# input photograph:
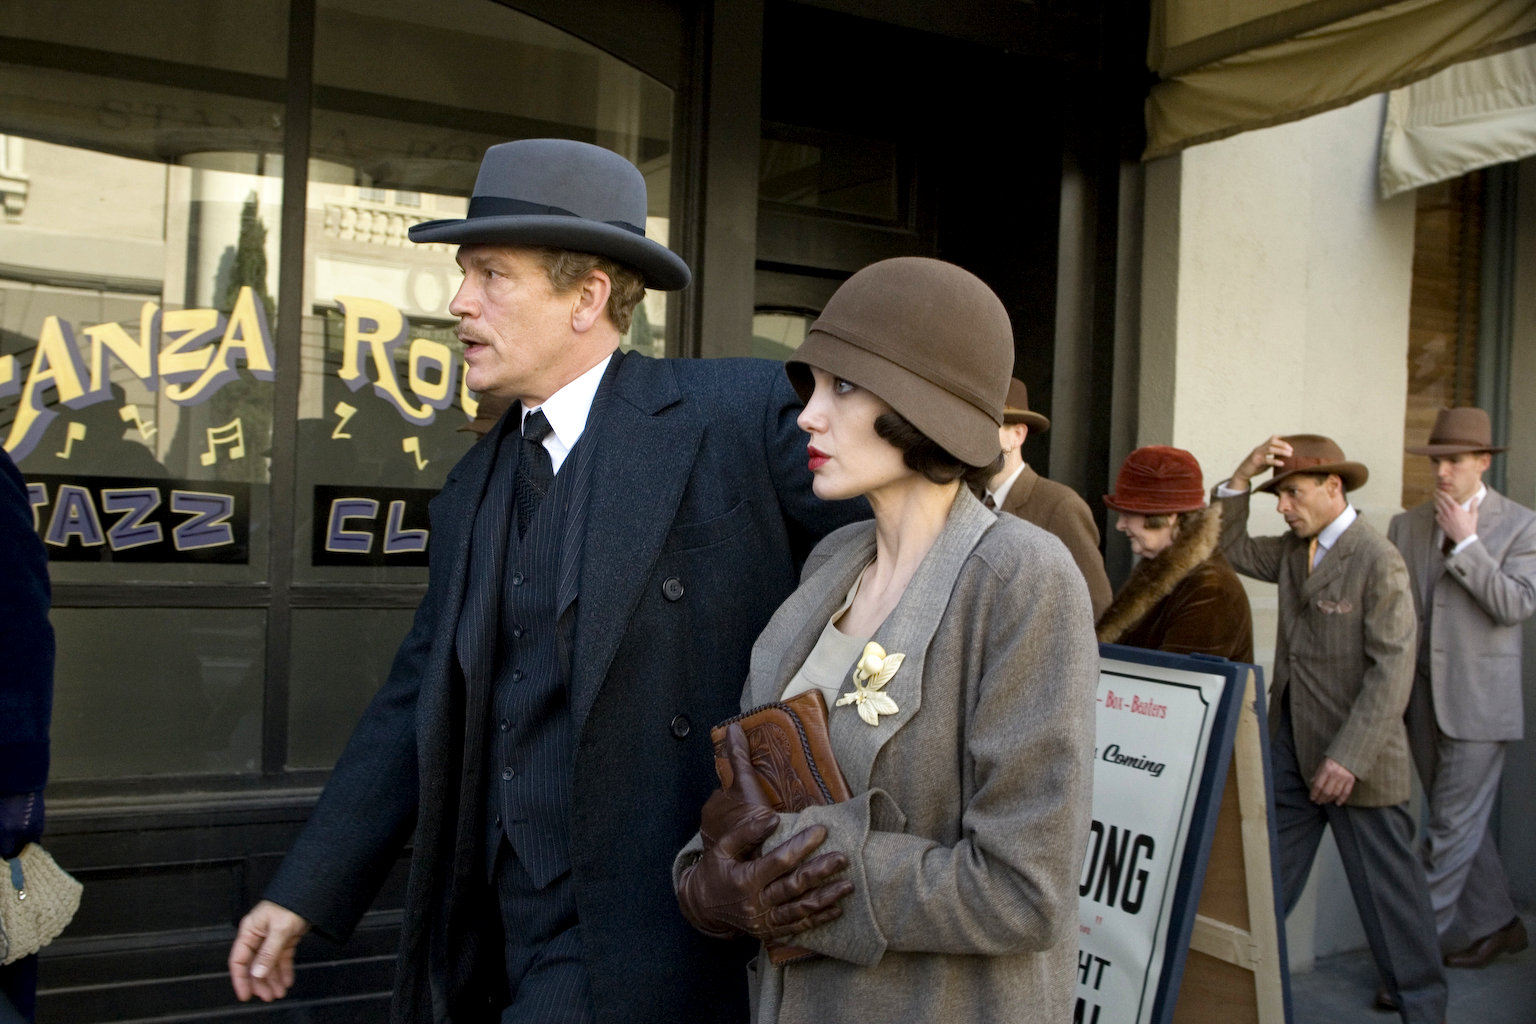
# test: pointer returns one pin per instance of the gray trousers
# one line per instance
(1385, 878)
(1467, 884)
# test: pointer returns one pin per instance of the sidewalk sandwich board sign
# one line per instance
(1180, 751)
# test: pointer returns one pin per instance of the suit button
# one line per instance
(517, 632)
(672, 588)
(517, 579)
(517, 674)
(681, 727)
(505, 725)
(507, 774)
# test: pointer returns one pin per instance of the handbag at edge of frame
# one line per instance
(37, 901)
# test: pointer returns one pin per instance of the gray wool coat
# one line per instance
(967, 831)
(1471, 606)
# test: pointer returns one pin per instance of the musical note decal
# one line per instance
(232, 434)
(412, 446)
(130, 414)
(76, 432)
(346, 412)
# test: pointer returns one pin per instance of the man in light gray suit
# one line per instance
(1343, 671)
(1472, 555)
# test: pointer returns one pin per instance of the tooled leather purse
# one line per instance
(791, 748)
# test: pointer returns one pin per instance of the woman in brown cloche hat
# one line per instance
(1182, 596)
(955, 653)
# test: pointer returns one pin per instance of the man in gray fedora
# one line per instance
(1056, 508)
(1472, 555)
(601, 562)
(1343, 669)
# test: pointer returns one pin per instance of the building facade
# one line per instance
(232, 385)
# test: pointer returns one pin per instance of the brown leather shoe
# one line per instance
(1509, 939)
(1384, 1000)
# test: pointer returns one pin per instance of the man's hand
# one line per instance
(1261, 458)
(1457, 522)
(1332, 784)
(261, 959)
(728, 890)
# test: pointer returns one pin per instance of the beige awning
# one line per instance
(1232, 65)
(1471, 115)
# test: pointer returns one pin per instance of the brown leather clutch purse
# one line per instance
(791, 748)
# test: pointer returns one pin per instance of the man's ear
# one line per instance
(590, 300)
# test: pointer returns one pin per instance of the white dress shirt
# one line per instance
(567, 411)
(1000, 495)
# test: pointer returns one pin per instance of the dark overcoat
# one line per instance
(699, 515)
(26, 638)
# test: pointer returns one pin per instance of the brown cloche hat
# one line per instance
(1464, 429)
(1316, 454)
(1156, 480)
(929, 339)
(1016, 408)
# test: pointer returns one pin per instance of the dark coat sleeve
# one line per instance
(26, 638)
(807, 517)
(368, 809)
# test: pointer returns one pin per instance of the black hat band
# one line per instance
(504, 206)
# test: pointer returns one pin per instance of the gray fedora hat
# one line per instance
(565, 194)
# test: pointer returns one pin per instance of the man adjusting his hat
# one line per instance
(1471, 553)
(601, 561)
(1343, 669)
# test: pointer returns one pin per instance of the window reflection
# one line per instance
(382, 403)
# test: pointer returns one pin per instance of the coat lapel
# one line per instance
(1022, 490)
(1334, 564)
(792, 633)
(644, 459)
(1426, 547)
(483, 524)
(908, 630)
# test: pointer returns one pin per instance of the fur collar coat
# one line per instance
(1187, 600)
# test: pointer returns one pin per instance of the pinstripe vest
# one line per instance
(529, 753)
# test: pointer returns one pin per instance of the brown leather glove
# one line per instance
(729, 891)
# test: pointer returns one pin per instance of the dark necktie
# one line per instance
(987, 501)
(535, 471)
(1446, 545)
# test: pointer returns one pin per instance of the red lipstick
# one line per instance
(815, 457)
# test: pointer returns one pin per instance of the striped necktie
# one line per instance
(535, 470)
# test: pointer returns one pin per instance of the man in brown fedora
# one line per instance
(1344, 655)
(601, 562)
(1054, 507)
(1471, 553)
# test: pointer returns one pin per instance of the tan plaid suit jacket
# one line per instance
(1345, 649)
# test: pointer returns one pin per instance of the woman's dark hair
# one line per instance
(926, 456)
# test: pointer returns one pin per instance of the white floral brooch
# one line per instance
(875, 668)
